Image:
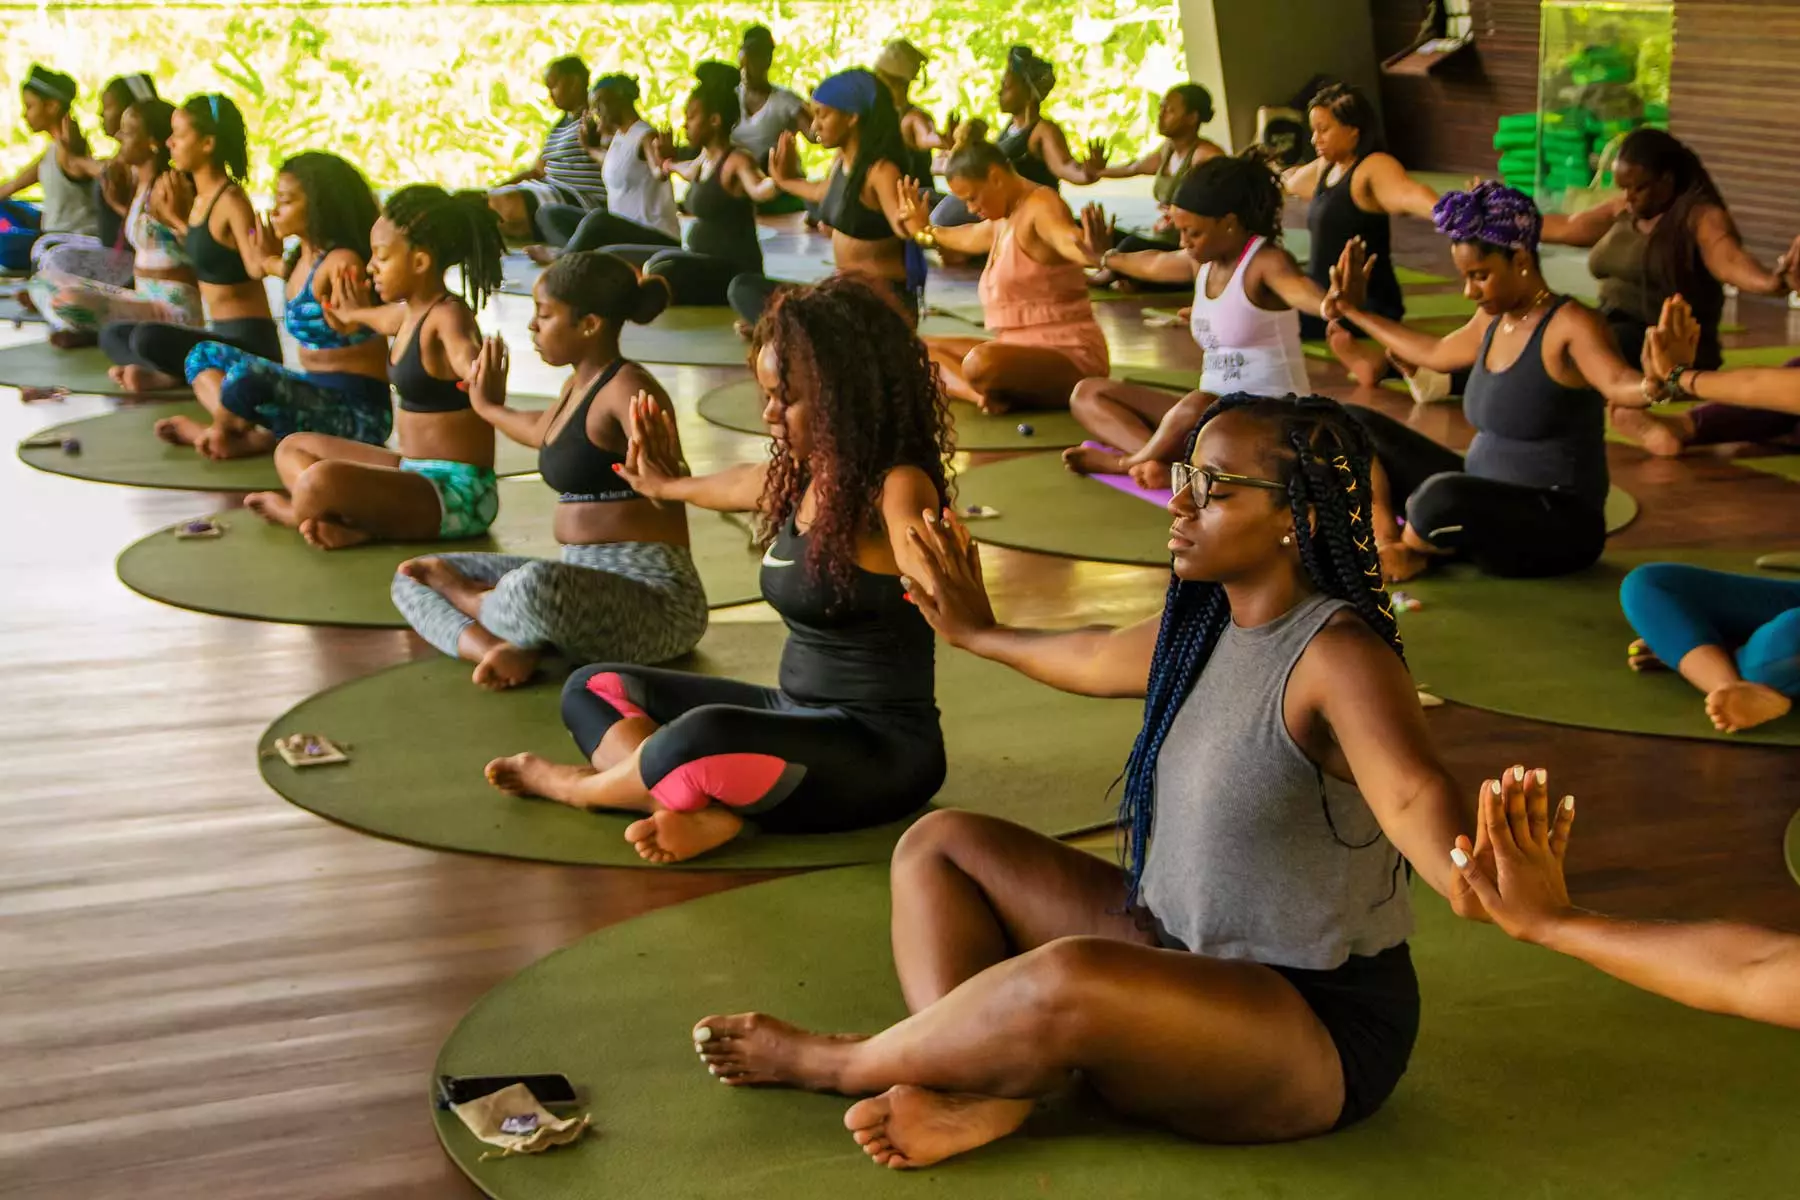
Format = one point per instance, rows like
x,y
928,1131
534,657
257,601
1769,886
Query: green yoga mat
x,y
1761,356
41,365
1783,560
1411,278
1785,466
420,735
122,447
739,406
1554,650
1046,508
1530,1068
265,572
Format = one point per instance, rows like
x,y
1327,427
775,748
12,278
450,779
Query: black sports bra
x,y
581,472
845,211
420,390
214,262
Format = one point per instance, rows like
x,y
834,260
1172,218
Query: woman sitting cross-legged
x,y
441,484
1246,976
626,586
1530,497
851,737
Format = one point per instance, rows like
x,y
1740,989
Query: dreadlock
x,y
1324,459
878,406
340,208
457,229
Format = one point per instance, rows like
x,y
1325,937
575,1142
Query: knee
x,y
1435,503
294,455
1057,987
981,366
1644,587
937,834
604,684
1088,396
315,485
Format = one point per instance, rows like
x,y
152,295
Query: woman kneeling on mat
x,y
1034,291
1246,291
851,737
441,484
341,388
218,231
1246,976
1530,497
626,587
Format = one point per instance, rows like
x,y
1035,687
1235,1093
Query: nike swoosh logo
x,y
769,559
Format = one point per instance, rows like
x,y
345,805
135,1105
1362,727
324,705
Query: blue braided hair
x,y
1325,458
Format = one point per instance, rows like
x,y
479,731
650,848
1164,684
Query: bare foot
x,y
1661,438
273,507
994,406
666,836
142,379
1639,657
1085,460
1366,364
116,374
543,256
505,666
220,443
910,1126
329,535
1745,705
756,1049
533,775
1152,476
180,431
1400,562
73,339
463,593
31,395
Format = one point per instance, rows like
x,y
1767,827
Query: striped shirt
x,y
570,169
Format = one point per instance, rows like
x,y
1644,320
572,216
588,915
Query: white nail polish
x,y
712,1070
1568,804
1493,785
1543,776
703,1034
1458,857
1518,774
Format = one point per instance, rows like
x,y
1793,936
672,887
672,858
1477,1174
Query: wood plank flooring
x,y
207,992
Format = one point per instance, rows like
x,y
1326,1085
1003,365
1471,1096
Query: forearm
x,y
525,428
1415,347
812,190
1153,266
1078,661
1717,966
964,239
1773,388
735,489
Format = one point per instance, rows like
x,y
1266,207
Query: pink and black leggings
x,y
790,766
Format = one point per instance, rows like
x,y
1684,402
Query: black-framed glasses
x,y
1200,481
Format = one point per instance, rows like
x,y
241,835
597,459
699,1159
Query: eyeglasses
x,y
1200,482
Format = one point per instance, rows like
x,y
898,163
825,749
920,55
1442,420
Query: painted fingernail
x,y
712,1070
703,1034
1543,776
1494,786
1518,774
1568,804
1458,857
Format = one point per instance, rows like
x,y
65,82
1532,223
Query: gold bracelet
x,y
926,237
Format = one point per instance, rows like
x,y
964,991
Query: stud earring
x,y
1287,539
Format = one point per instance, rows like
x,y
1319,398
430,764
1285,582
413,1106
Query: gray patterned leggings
x,y
618,601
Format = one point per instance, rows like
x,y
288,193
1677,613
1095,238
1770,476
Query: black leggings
x,y
1505,529
796,768
692,278
749,294
576,229
158,346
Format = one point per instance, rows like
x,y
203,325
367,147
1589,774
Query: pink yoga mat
x,y
1126,484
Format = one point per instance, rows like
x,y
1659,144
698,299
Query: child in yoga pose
x,y
851,736
626,587
341,388
1245,977
219,233
1246,293
1530,497
344,492
1033,289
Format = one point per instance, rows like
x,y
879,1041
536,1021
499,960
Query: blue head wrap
x,y
851,91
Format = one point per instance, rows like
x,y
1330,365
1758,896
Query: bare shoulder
x,y
909,489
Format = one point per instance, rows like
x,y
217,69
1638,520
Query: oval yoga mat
x,y
1554,650
41,365
1529,1067
420,735
122,447
1046,508
739,406
266,572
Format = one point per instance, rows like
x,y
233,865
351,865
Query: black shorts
x,y
1370,1007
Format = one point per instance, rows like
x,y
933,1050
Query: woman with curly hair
x,y
1529,499
441,484
625,586
341,388
1244,976
860,432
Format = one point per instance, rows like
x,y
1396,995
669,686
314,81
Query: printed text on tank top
x,y
1247,348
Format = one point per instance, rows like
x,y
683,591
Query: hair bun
x,y
969,132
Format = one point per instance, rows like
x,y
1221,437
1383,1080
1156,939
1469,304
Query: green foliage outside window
x,y
450,92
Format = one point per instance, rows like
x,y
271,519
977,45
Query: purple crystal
x,y
71,445
1026,430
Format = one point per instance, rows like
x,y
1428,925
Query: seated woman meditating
x,y
640,206
118,94
70,287
343,492
1033,289
851,737
1246,976
565,171
1246,293
341,388
220,234
1184,109
1671,233
68,204
1530,497
626,587
767,110
859,198
724,188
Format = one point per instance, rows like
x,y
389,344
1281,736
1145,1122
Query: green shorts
x,y
467,494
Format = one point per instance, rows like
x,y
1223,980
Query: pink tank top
x,y
1248,349
1017,291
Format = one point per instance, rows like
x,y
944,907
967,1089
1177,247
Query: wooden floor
x,y
208,992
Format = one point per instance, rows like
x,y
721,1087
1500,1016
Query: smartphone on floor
x,y
460,1089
